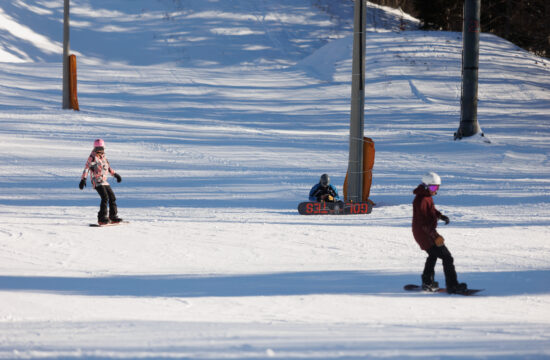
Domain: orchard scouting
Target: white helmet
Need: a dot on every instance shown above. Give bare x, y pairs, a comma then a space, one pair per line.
431, 178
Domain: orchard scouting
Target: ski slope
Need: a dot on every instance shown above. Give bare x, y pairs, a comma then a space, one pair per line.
220, 116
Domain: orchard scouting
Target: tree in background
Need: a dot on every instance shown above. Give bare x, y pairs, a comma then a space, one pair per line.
526, 23
439, 14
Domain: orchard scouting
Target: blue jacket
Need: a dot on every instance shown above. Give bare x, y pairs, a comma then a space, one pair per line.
317, 191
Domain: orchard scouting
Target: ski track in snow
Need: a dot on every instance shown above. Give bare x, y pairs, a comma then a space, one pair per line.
220, 116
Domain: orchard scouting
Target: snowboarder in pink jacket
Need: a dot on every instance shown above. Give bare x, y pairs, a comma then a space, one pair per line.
98, 167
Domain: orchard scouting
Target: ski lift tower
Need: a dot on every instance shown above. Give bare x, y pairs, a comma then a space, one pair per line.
470, 66
66, 70
357, 116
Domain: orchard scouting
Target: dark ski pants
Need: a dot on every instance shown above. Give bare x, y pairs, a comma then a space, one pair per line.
444, 254
107, 197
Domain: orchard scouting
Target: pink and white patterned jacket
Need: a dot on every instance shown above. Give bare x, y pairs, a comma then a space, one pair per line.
99, 168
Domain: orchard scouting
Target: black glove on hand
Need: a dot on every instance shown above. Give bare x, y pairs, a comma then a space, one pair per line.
118, 178
445, 218
82, 184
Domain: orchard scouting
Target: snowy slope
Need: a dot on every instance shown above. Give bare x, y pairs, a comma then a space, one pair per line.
220, 116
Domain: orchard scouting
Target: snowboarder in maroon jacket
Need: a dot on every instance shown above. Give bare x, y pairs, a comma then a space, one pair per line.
424, 224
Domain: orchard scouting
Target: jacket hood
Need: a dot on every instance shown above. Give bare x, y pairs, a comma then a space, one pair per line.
421, 190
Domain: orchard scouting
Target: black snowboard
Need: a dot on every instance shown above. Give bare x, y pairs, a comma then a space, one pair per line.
418, 288
109, 224
334, 208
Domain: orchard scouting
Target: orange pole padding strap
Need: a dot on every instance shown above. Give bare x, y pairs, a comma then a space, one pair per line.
368, 164
72, 82
345, 188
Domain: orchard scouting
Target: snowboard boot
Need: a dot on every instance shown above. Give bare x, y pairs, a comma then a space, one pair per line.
428, 283
431, 287
457, 289
103, 221
115, 219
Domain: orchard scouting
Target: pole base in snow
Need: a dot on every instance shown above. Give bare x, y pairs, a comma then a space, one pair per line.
478, 136
467, 128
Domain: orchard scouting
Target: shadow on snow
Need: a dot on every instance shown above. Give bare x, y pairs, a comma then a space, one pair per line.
273, 284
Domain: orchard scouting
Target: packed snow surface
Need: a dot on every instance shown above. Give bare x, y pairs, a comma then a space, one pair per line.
220, 116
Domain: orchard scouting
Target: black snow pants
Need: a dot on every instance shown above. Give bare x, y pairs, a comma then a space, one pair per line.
107, 197
444, 254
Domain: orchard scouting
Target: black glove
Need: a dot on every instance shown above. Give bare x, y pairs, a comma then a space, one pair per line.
82, 184
445, 218
118, 178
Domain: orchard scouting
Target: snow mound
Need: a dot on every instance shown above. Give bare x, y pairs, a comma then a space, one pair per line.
323, 63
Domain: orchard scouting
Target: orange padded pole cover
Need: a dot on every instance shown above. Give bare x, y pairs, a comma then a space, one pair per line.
368, 164
72, 82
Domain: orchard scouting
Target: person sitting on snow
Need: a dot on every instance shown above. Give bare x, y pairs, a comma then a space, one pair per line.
424, 224
324, 191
